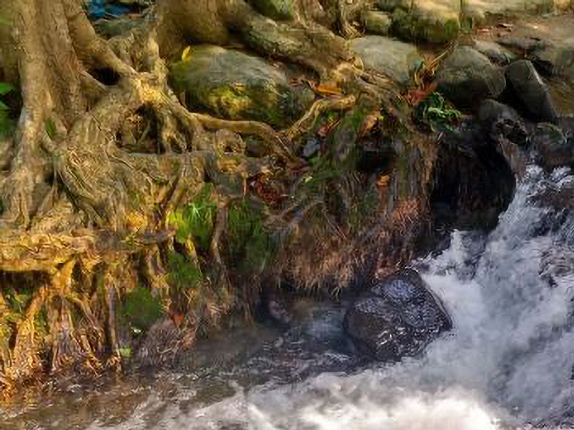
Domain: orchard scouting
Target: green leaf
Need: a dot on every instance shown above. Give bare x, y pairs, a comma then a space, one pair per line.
50, 128
5, 88
3, 106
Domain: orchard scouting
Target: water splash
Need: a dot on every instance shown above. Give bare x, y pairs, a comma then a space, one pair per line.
506, 365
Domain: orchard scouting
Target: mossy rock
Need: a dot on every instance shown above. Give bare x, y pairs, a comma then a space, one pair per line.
233, 85
418, 26
395, 59
276, 9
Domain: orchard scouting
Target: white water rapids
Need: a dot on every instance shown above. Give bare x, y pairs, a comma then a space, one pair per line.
506, 365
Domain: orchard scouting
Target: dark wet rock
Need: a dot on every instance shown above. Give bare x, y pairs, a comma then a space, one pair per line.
531, 91
398, 317
376, 22
466, 77
553, 148
473, 180
495, 52
234, 85
395, 59
501, 121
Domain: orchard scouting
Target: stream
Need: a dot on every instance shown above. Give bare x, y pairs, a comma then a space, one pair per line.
506, 365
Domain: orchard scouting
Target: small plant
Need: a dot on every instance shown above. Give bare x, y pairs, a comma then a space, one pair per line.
196, 220
6, 123
436, 113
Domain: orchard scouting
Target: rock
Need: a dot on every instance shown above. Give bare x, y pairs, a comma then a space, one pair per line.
376, 22
234, 85
275, 9
531, 91
553, 148
501, 121
397, 318
495, 52
466, 77
391, 5
474, 182
556, 59
428, 21
395, 59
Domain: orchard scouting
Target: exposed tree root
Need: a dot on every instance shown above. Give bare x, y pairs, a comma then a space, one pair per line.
99, 174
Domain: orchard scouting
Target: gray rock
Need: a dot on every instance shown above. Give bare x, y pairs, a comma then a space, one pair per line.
556, 59
234, 85
500, 120
529, 88
397, 318
395, 59
495, 52
553, 148
376, 22
466, 77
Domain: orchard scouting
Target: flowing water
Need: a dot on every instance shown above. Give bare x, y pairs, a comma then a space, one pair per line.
506, 365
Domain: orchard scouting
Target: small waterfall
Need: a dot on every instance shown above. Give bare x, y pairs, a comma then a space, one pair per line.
506, 365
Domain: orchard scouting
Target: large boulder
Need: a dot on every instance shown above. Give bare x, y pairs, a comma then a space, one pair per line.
233, 85
466, 77
395, 59
398, 317
529, 88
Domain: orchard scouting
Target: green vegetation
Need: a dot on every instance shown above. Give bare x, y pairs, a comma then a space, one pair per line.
249, 243
196, 220
142, 308
436, 113
6, 123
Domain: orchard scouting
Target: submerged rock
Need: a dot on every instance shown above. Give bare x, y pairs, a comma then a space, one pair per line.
395, 59
234, 85
396, 318
531, 91
466, 77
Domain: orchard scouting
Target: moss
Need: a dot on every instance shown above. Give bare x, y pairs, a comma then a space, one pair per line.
249, 244
142, 308
184, 274
411, 27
